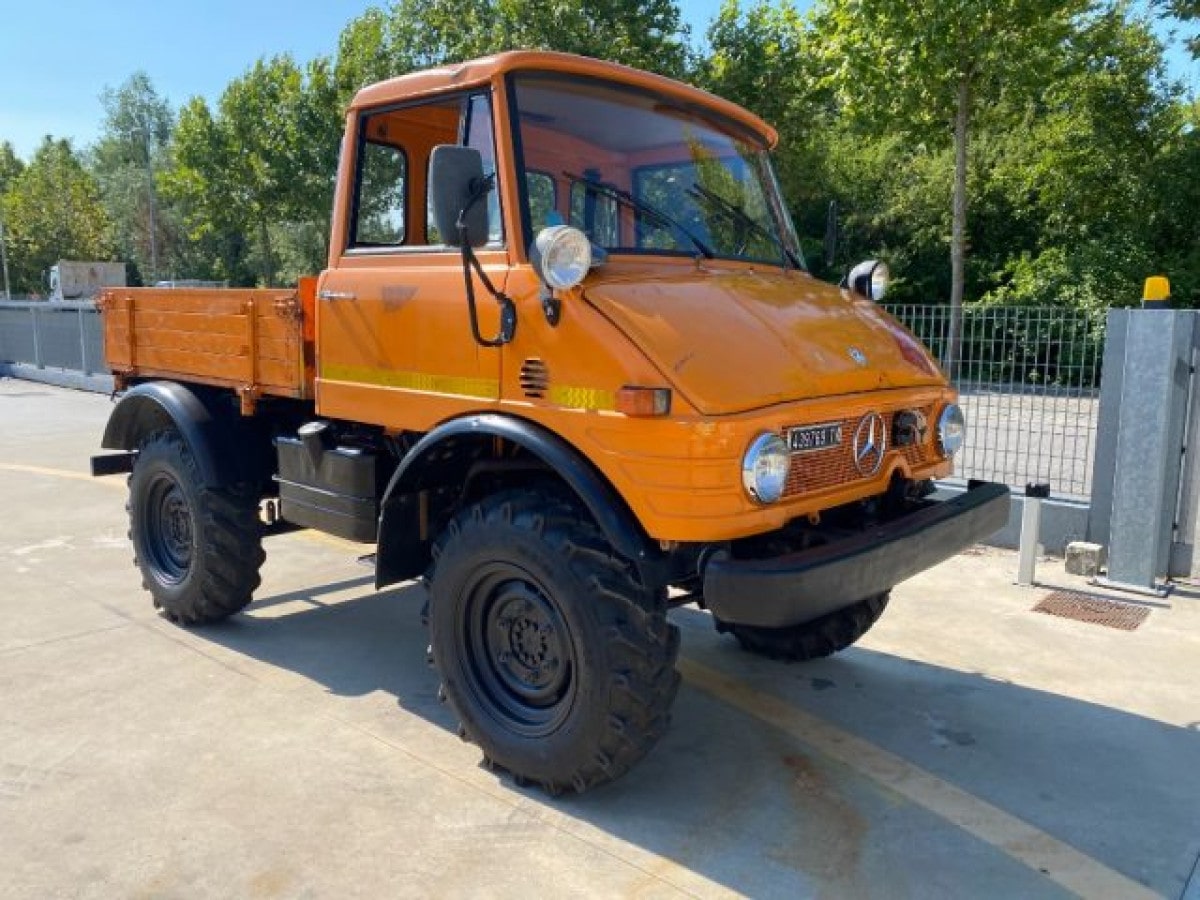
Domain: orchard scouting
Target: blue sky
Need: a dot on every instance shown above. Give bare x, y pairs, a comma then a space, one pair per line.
57, 55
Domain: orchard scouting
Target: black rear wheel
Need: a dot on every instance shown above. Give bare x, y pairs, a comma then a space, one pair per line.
812, 640
168, 527
199, 547
558, 662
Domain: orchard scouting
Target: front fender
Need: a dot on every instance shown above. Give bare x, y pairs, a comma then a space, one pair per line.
444, 456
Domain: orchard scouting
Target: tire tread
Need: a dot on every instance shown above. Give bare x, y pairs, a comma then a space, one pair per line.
812, 640
229, 541
642, 681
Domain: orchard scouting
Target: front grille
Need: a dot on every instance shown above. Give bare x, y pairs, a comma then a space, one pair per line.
820, 470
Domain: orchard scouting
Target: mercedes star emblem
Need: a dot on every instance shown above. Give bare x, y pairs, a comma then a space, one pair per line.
857, 355
870, 443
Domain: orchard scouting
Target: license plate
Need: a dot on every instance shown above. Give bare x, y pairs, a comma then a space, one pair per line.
814, 437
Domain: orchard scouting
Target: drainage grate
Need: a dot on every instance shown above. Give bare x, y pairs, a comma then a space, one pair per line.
1093, 609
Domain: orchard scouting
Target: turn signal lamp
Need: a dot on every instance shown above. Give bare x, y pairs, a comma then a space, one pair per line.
644, 401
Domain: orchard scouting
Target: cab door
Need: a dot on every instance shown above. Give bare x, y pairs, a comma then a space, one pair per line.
394, 344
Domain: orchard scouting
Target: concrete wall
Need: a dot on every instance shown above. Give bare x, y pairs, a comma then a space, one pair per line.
1063, 521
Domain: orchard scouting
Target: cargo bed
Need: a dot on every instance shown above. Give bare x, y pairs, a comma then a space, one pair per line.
257, 342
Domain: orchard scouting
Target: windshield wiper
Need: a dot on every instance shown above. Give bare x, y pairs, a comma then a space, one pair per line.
737, 214
641, 206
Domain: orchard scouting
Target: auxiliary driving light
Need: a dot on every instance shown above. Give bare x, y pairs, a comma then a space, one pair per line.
562, 255
870, 279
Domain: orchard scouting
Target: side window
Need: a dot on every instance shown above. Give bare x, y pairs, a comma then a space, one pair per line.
392, 186
543, 200
595, 214
477, 126
380, 204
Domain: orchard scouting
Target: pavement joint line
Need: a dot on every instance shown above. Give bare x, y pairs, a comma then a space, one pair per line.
547, 815
5, 651
1044, 854
539, 811
1191, 890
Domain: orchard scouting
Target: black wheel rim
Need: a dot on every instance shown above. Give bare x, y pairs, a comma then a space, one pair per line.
168, 528
519, 656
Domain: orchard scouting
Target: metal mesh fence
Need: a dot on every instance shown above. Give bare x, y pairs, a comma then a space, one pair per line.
1029, 378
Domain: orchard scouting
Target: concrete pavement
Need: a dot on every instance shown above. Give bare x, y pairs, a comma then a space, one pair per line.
967, 747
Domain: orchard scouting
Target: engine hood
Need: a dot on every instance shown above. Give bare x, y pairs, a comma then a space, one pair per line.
736, 341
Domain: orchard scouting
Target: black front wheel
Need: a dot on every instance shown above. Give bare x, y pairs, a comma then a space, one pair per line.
199, 547
558, 662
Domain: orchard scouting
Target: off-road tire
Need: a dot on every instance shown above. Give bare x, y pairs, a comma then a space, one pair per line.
199, 548
812, 640
558, 662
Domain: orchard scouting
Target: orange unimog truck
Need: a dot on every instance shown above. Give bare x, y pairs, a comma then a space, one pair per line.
566, 365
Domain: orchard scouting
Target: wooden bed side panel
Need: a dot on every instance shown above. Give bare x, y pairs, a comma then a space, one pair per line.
251, 340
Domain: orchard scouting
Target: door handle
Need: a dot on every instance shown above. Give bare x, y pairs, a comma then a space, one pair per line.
337, 295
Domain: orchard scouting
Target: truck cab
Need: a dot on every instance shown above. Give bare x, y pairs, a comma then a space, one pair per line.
568, 367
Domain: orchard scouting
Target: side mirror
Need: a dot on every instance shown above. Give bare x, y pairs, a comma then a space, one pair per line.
457, 187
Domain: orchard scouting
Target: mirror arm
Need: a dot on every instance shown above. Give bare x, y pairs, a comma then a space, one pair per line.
508, 310
551, 305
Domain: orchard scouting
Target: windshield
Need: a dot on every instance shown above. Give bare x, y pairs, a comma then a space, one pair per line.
639, 175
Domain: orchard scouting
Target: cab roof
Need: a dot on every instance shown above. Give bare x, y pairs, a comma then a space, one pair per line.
475, 72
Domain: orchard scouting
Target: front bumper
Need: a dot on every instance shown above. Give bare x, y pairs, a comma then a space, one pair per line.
800, 587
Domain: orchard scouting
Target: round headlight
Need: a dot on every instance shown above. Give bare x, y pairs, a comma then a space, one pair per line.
765, 468
562, 255
952, 429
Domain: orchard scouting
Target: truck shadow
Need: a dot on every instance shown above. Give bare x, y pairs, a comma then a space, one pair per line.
731, 800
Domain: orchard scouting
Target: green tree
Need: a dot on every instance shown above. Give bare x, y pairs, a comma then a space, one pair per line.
1184, 11
10, 165
136, 131
929, 67
52, 211
648, 35
761, 56
416, 34
265, 159
1172, 230
1083, 172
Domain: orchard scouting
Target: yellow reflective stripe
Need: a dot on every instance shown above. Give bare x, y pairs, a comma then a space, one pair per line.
581, 397
485, 388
